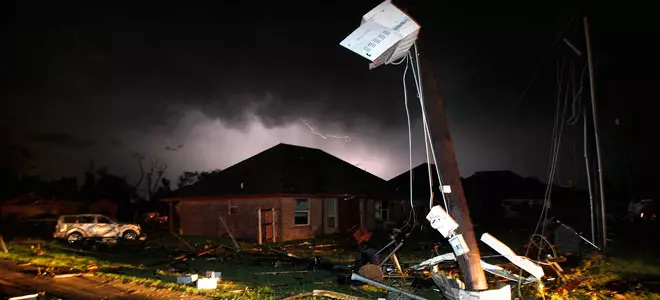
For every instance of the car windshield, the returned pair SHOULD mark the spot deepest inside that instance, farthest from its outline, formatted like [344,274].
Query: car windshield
[111,219]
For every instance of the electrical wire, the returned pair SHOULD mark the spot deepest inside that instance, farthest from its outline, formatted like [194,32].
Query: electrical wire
[427,138]
[399,62]
[554,155]
[405,99]
[556,158]
[577,98]
[539,68]
[427,131]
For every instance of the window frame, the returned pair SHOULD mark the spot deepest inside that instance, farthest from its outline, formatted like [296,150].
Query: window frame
[384,207]
[306,211]
[230,206]
[334,204]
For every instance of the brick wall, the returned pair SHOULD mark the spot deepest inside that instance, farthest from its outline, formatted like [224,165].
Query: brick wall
[201,217]
[369,214]
[290,231]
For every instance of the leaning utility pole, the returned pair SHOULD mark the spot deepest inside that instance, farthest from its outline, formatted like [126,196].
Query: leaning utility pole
[596,134]
[386,36]
[469,263]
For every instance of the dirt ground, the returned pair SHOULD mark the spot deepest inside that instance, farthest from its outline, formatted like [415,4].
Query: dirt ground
[18,281]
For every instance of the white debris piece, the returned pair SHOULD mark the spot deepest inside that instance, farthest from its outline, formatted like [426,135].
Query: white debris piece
[26,297]
[503,293]
[459,245]
[213,274]
[434,261]
[385,35]
[187,278]
[390,16]
[442,221]
[521,262]
[454,289]
[372,41]
[207,283]
[499,271]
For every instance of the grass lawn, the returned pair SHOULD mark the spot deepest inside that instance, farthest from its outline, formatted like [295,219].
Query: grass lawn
[624,275]
[243,275]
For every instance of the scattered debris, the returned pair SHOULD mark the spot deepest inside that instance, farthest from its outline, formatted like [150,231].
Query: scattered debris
[39,296]
[3,245]
[213,274]
[371,271]
[282,272]
[386,287]
[182,241]
[521,262]
[27,297]
[207,283]
[324,293]
[238,247]
[187,278]
[501,272]
[68,275]
[434,261]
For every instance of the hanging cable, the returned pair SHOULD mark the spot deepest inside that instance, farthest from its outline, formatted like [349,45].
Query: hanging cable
[399,62]
[427,132]
[560,35]
[411,215]
[554,155]
[577,98]
[427,138]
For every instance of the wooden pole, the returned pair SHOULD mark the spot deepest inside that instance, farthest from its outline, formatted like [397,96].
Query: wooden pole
[274,225]
[470,263]
[222,221]
[171,216]
[259,226]
[592,87]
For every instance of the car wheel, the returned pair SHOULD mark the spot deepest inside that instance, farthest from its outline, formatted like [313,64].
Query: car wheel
[130,235]
[74,237]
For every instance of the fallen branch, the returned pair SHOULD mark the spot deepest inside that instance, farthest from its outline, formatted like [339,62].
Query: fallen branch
[183,242]
[68,275]
[2,243]
[238,248]
[282,272]
[324,293]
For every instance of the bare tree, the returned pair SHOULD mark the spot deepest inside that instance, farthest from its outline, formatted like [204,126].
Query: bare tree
[150,175]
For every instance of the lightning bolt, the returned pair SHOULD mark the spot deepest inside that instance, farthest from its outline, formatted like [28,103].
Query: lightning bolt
[325,137]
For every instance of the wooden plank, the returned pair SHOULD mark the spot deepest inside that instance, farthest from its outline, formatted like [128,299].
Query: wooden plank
[238,248]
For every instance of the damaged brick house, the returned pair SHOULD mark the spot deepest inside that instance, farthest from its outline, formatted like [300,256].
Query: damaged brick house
[286,192]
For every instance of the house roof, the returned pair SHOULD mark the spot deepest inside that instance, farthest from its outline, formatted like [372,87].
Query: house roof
[288,169]
[420,173]
[501,183]
[504,184]
[28,199]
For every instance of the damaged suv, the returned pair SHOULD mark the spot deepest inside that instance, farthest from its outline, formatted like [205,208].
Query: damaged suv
[76,228]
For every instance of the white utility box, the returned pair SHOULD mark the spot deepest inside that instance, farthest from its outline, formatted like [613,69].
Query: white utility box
[385,35]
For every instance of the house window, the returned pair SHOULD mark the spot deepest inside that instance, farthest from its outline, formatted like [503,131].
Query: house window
[382,210]
[330,208]
[233,208]
[301,213]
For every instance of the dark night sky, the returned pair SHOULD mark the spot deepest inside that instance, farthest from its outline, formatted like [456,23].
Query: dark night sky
[225,80]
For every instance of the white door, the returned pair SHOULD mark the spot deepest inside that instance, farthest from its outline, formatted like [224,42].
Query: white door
[330,220]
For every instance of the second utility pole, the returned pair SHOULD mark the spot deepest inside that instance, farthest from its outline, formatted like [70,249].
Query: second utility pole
[469,263]
[592,86]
